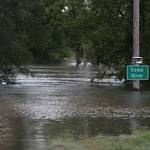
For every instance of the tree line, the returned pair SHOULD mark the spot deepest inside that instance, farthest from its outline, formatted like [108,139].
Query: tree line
[46,31]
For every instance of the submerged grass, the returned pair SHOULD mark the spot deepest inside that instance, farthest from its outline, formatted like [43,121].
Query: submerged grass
[140,140]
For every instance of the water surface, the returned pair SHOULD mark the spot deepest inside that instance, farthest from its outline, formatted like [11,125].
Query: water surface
[59,101]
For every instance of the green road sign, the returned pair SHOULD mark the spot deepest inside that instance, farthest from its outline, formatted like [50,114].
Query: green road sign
[138,72]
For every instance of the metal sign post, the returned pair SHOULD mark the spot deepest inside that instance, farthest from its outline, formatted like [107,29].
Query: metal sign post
[136,40]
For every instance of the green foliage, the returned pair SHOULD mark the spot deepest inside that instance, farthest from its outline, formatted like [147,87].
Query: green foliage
[46,30]
[145,33]
[111,37]
[13,50]
[137,141]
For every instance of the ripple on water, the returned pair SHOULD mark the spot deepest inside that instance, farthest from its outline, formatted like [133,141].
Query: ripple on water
[59,101]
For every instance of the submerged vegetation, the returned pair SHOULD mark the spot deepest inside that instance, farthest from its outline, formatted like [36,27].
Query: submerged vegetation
[46,31]
[138,141]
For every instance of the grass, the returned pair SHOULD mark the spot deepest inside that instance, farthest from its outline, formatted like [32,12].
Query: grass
[138,141]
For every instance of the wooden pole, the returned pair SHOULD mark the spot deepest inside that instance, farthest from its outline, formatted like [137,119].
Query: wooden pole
[136,37]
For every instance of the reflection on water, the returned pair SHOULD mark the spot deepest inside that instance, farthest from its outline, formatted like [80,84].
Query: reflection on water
[59,101]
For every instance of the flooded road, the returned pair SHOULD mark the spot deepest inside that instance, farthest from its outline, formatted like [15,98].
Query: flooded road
[59,101]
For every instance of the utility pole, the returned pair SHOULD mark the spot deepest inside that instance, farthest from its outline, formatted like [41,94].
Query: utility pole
[136,37]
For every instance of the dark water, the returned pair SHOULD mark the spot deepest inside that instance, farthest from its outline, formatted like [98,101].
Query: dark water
[59,101]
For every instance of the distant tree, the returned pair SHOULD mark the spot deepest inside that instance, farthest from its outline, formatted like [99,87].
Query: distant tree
[145,30]
[13,50]
[107,33]
[74,22]
[46,30]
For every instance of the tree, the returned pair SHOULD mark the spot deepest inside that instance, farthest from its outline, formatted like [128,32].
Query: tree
[145,31]
[74,22]
[110,33]
[45,30]
[13,50]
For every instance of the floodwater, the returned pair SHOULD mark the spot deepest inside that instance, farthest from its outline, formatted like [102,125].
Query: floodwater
[59,101]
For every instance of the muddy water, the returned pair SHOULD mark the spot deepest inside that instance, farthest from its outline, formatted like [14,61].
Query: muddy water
[59,101]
